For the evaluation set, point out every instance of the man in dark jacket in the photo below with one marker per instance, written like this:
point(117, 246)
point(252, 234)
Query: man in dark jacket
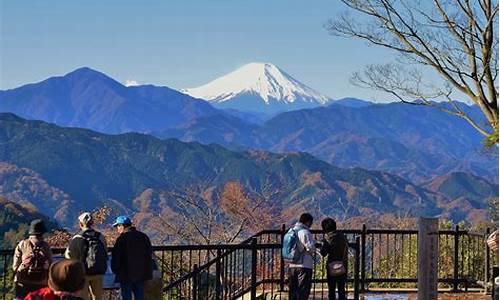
point(131, 259)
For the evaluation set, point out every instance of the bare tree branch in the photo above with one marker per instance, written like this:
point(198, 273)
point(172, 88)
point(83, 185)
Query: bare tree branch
point(456, 39)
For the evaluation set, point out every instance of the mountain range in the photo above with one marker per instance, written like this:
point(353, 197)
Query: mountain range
point(466, 192)
point(88, 169)
point(415, 142)
point(89, 99)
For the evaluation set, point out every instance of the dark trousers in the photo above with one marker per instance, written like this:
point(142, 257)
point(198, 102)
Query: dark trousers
point(299, 283)
point(136, 288)
point(494, 290)
point(23, 289)
point(336, 282)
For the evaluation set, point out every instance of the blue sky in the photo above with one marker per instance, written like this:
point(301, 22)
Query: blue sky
point(180, 43)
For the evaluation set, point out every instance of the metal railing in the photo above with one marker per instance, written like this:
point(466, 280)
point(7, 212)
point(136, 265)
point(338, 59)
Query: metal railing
point(378, 258)
point(389, 259)
point(253, 269)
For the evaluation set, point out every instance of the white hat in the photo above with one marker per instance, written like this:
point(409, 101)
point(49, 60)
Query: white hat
point(85, 218)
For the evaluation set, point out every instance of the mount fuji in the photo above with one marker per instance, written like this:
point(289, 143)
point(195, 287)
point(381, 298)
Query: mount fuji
point(259, 87)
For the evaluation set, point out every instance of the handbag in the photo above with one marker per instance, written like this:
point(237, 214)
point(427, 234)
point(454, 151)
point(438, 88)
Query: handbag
point(492, 241)
point(336, 268)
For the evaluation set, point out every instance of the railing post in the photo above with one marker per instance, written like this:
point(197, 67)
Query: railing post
point(455, 258)
point(282, 262)
point(356, 270)
point(5, 276)
point(486, 263)
point(195, 282)
point(363, 258)
point(218, 275)
point(253, 291)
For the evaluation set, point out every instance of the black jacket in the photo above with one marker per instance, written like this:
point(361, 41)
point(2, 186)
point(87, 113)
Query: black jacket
point(131, 257)
point(77, 248)
point(335, 246)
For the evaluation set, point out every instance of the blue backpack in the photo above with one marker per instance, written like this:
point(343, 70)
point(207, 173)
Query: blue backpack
point(290, 250)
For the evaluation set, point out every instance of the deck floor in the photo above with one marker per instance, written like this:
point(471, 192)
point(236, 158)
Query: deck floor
point(386, 296)
point(444, 296)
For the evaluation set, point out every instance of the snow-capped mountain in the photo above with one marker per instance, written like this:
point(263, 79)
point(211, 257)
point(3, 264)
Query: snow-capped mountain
point(259, 87)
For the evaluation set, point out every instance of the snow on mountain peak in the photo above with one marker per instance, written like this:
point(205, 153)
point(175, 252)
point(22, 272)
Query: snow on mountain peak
point(262, 79)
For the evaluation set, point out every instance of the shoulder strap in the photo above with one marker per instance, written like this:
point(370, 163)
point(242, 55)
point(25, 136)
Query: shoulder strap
point(31, 244)
point(90, 233)
point(85, 240)
point(85, 233)
point(298, 229)
point(25, 243)
point(80, 236)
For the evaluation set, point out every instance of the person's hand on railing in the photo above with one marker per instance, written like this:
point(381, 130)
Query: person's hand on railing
point(317, 257)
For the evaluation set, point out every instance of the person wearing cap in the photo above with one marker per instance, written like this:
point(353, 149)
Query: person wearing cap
point(87, 243)
point(66, 281)
point(32, 258)
point(131, 259)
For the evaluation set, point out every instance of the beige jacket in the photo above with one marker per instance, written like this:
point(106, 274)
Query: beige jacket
point(24, 250)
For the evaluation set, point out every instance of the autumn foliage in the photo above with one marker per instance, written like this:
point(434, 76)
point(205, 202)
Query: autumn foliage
point(61, 237)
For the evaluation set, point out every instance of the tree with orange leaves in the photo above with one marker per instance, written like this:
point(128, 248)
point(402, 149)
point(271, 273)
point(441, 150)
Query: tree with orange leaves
point(211, 216)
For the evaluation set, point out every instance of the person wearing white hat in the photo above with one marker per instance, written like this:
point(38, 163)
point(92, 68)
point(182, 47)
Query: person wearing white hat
point(89, 247)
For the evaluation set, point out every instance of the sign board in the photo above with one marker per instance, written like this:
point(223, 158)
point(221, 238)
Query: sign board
point(428, 252)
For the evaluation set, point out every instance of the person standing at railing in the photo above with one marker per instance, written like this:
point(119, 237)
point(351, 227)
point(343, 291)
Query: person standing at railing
point(131, 259)
point(89, 247)
point(335, 248)
point(32, 258)
point(300, 272)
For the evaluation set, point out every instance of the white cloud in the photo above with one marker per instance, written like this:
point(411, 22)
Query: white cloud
point(130, 82)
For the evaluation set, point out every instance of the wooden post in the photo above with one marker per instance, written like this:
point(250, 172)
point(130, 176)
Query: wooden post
point(428, 253)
